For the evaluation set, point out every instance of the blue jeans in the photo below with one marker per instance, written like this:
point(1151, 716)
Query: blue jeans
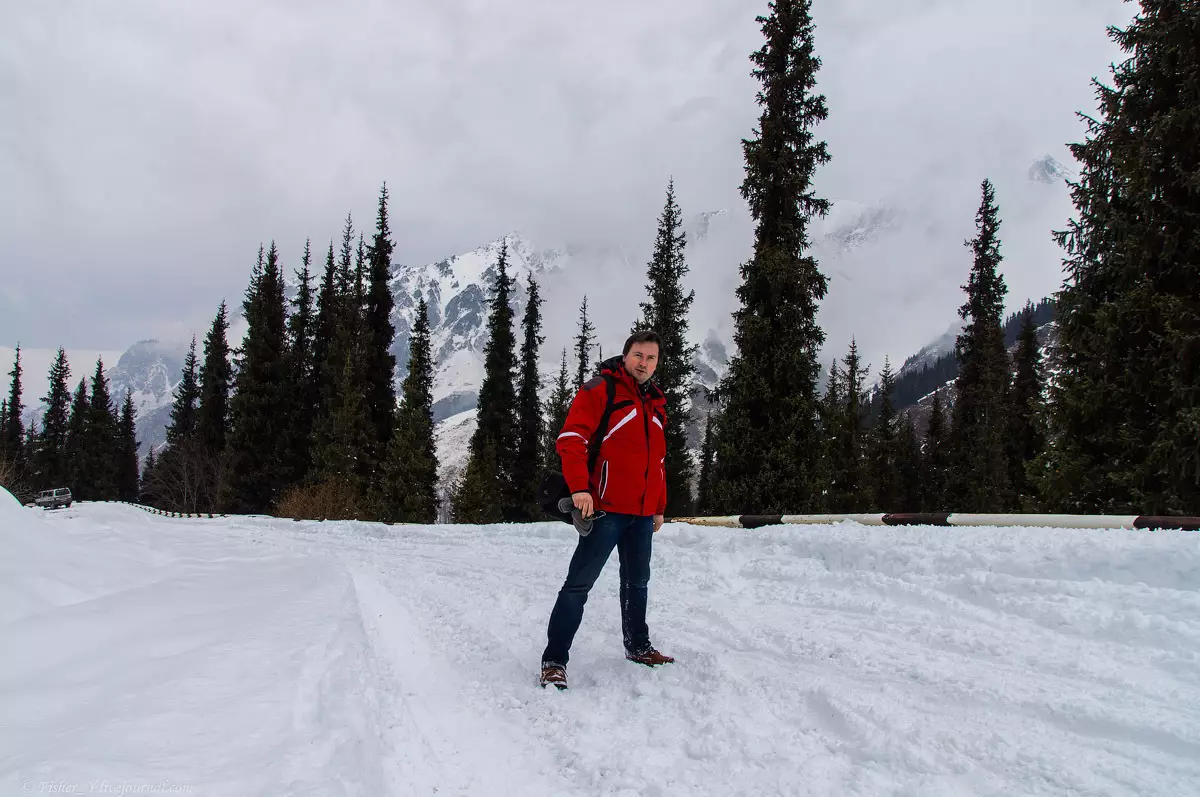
point(631, 535)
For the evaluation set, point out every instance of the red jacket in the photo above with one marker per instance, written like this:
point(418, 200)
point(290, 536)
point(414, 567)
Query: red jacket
point(629, 477)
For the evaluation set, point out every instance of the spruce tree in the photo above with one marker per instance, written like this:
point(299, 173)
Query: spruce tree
point(250, 471)
point(530, 425)
point(184, 409)
point(380, 333)
point(557, 407)
point(489, 471)
point(830, 476)
point(935, 461)
point(409, 486)
point(343, 458)
point(78, 476)
point(212, 414)
point(851, 483)
point(127, 455)
point(100, 452)
point(979, 420)
point(51, 462)
point(324, 333)
point(1125, 432)
point(216, 376)
point(147, 494)
point(12, 445)
point(882, 447)
point(908, 467)
point(583, 345)
point(479, 494)
point(1026, 434)
point(342, 317)
point(303, 395)
point(667, 314)
point(768, 447)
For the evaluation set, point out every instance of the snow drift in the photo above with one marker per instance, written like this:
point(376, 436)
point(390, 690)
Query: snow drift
point(246, 656)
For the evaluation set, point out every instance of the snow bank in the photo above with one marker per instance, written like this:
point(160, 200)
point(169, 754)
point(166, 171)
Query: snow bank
point(254, 656)
point(185, 658)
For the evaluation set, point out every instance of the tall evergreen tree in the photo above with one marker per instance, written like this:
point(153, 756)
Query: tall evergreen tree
point(100, 452)
point(935, 461)
point(908, 467)
point(667, 314)
point(342, 317)
point(216, 377)
point(768, 447)
point(77, 443)
point(126, 453)
point(409, 486)
point(212, 414)
point(187, 397)
point(52, 449)
point(251, 469)
point(1125, 434)
point(979, 420)
point(883, 448)
point(380, 362)
point(558, 405)
point(583, 345)
point(1026, 434)
point(342, 456)
point(324, 333)
point(530, 424)
point(12, 445)
point(146, 493)
point(494, 441)
point(850, 484)
point(303, 395)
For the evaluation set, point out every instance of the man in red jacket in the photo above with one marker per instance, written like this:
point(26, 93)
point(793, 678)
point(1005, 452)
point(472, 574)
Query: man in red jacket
point(628, 485)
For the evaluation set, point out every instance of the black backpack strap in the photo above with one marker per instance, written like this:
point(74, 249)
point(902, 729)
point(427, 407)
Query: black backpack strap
point(602, 427)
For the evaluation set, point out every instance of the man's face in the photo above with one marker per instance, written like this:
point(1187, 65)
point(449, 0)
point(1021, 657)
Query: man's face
point(641, 360)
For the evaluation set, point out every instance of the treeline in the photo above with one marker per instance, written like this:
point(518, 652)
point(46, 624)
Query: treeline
point(915, 384)
point(303, 419)
point(85, 441)
point(981, 440)
point(1116, 430)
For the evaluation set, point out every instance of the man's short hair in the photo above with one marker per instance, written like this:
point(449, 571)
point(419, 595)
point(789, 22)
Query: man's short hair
point(644, 336)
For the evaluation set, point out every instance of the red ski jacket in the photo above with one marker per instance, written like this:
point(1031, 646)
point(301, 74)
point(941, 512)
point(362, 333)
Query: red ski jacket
point(629, 476)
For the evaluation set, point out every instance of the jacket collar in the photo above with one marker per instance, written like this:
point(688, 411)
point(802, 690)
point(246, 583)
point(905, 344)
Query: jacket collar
point(615, 366)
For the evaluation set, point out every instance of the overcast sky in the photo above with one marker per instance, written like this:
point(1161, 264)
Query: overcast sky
point(146, 148)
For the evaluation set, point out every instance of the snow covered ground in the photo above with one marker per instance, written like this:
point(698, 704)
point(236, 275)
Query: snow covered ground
point(252, 656)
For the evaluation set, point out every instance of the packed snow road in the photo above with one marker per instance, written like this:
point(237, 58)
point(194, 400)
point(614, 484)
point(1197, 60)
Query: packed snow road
point(248, 656)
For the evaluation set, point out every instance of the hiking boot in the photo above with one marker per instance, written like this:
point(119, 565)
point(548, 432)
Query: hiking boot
point(650, 657)
point(554, 674)
point(582, 525)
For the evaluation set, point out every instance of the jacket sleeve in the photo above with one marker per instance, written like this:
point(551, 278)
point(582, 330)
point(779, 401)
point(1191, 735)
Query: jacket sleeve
point(572, 444)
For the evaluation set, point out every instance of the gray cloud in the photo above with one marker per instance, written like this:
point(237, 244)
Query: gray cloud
point(150, 147)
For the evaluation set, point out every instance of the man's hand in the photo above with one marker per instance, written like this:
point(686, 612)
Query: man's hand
point(583, 502)
point(658, 521)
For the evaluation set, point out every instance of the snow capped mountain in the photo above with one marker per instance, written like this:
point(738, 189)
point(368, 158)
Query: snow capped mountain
point(878, 254)
point(150, 370)
point(1048, 170)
